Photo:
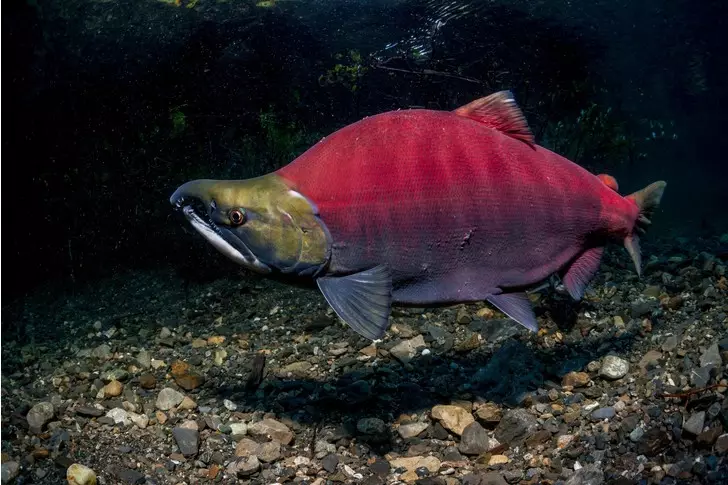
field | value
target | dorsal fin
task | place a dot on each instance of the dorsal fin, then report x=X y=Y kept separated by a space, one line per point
x=500 y=112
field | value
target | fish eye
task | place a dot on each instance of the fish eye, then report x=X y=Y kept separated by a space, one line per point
x=237 y=217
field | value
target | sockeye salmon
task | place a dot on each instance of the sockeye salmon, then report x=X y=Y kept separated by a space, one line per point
x=424 y=207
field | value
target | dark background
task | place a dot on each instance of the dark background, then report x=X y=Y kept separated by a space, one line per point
x=109 y=106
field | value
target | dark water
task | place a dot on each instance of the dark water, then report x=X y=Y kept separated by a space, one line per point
x=110 y=105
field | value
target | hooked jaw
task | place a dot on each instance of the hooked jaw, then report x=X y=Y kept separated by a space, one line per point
x=196 y=193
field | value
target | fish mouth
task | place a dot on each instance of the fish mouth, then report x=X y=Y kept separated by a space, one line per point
x=223 y=239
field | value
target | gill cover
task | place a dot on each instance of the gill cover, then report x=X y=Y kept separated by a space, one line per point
x=260 y=223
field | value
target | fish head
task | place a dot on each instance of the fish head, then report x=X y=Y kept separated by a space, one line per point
x=260 y=223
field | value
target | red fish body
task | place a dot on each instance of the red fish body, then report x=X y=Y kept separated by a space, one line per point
x=425 y=207
x=457 y=209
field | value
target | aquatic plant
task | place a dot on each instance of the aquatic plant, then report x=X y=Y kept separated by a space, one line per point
x=348 y=73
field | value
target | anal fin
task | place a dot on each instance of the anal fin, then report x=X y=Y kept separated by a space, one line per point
x=362 y=300
x=581 y=272
x=517 y=306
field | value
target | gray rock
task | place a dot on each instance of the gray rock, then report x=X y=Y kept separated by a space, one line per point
x=120 y=416
x=330 y=462
x=407 y=349
x=700 y=377
x=642 y=308
x=694 y=424
x=614 y=367
x=371 y=426
x=721 y=444
x=115 y=375
x=474 y=440
x=243 y=467
x=711 y=357
x=89 y=411
x=168 y=398
x=129 y=476
x=515 y=426
x=187 y=440
x=636 y=434
x=39 y=415
x=670 y=343
x=492 y=478
x=9 y=471
x=603 y=413
x=144 y=359
x=102 y=352
x=589 y=475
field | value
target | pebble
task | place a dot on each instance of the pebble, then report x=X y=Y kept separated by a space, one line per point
x=119 y=416
x=132 y=477
x=721 y=444
x=113 y=388
x=564 y=440
x=515 y=426
x=187 y=403
x=575 y=379
x=371 y=426
x=272 y=429
x=411 y=430
x=588 y=475
x=413 y=463
x=187 y=439
x=711 y=357
x=269 y=452
x=39 y=415
x=498 y=460
x=238 y=428
x=474 y=440
x=489 y=414
x=9 y=471
x=147 y=381
x=636 y=434
x=614 y=367
x=168 y=398
x=102 y=352
x=140 y=420
x=452 y=418
x=78 y=474
x=406 y=350
x=670 y=343
x=89 y=411
x=330 y=462
x=603 y=413
x=144 y=359
x=243 y=467
x=694 y=424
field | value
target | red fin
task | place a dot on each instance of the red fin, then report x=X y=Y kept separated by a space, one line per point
x=609 y=181
x=581 y=272
x=500 y=112
x=647 y=201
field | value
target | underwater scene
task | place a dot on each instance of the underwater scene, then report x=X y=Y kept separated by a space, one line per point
x=433 y=242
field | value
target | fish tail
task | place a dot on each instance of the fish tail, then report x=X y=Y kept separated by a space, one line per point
x=647 y=201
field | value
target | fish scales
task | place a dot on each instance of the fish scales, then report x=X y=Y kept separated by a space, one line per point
x=428 y=180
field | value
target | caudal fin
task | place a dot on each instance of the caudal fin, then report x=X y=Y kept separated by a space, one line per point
x=647 y=200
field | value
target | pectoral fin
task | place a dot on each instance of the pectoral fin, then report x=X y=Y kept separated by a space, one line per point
x=362 y=300
x=517 y=306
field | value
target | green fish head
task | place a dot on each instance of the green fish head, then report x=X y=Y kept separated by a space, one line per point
x=260 y=223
